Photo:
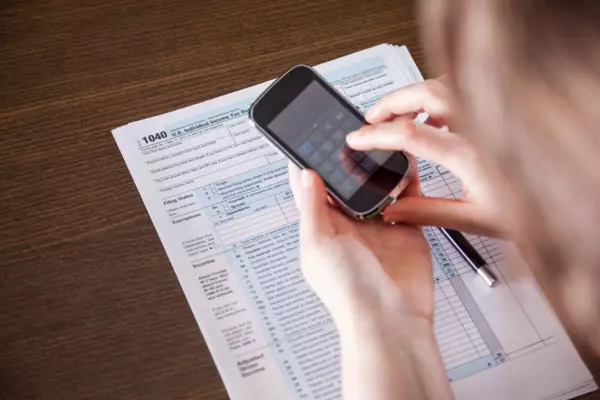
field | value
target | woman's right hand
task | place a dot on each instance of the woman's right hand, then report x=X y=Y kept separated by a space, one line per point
x=392 y=128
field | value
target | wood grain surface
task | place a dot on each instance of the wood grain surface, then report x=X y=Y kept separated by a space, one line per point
x=89 y=305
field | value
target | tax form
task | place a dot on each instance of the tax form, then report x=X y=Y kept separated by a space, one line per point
x=219 y=198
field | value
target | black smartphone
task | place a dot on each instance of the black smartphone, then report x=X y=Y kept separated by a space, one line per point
x=305 y=117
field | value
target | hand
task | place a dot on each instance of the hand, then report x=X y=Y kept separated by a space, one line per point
x=360 y=266
x=393 y=128
x=375 y=279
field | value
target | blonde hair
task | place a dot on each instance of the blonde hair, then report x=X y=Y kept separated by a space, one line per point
x=527 y=78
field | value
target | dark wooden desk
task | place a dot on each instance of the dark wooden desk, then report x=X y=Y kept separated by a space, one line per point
x=89 y=305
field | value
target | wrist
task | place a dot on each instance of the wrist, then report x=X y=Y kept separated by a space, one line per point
x=398 y=354
x=386 y=327
x=364 y=316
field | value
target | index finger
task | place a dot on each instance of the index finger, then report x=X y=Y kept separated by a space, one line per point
x=444 y=148
x=431 y=97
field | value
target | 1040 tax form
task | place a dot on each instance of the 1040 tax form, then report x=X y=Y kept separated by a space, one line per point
x=219 y=199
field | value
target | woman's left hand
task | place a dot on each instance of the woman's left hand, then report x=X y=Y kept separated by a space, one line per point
x=356 y=266
x=376 y=281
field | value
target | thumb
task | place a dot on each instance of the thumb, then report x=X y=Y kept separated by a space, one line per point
x=446 y=213
x=315 y=218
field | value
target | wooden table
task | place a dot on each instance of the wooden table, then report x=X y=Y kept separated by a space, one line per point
x=89 y=305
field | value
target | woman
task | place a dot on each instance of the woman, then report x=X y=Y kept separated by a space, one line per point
x=523 y=79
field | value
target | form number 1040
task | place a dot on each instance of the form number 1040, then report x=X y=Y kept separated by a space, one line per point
x=154 y=137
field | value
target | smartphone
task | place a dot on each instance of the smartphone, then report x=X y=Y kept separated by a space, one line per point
x=306 y=118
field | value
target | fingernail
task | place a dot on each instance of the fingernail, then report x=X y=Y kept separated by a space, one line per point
x=305 y=179
x=353 y=136
x=372 y=113
x=389 y=219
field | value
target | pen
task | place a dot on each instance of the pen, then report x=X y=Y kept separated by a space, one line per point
x=471 y=256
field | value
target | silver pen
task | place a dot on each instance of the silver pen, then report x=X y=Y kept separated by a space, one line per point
x=471 y=256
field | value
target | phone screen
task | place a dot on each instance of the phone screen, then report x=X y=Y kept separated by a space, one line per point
x=314 y=125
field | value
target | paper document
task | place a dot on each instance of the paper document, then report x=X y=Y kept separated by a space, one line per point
x=219 y=198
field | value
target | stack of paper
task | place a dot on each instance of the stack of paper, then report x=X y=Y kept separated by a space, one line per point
x=219 y=198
